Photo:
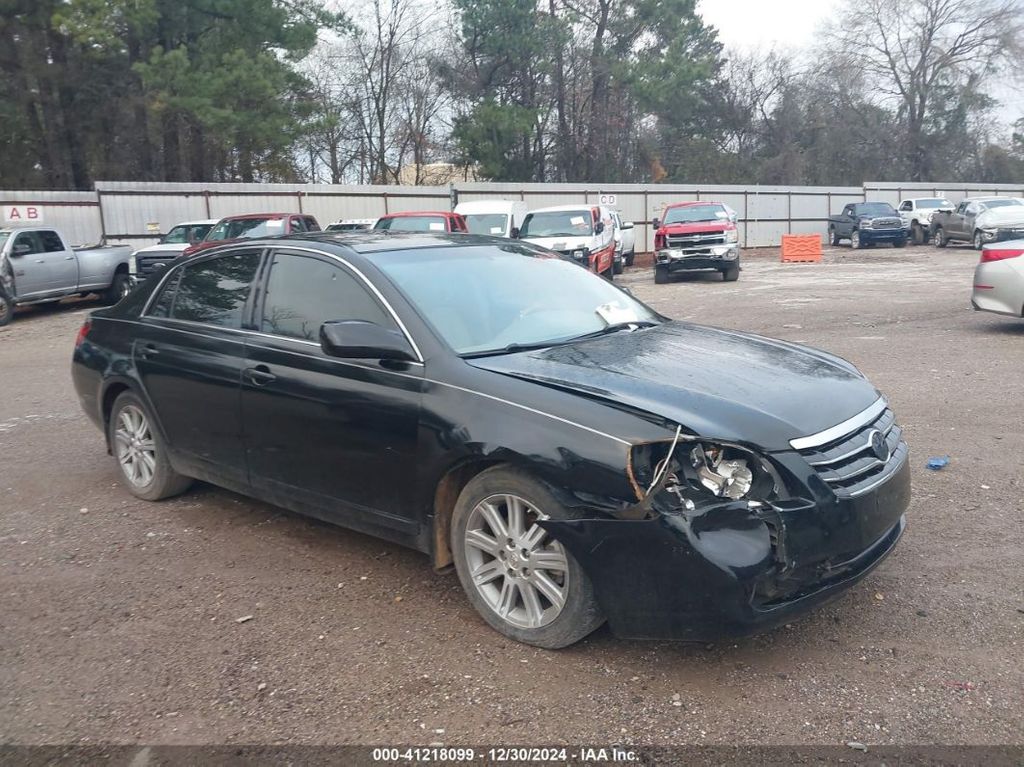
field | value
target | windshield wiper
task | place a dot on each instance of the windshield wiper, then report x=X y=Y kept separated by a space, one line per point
x=511 y=349
x=615 y=327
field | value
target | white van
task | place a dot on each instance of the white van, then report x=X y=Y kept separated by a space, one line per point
x=586 y=233
x=494 y=217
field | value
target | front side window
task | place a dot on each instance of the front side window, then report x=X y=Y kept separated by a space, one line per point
x=214 y=292
x=558 y=223
x=26 y=244
x=304 y=292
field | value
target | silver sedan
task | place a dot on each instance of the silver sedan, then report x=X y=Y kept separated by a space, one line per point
x=999 y=279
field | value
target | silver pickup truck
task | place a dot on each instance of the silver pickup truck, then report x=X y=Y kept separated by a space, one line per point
x=37 y=266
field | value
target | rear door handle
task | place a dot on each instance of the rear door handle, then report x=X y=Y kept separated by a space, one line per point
x=259 y=375
x=148 y=350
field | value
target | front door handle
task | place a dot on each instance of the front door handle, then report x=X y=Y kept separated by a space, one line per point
x=259 y=375
x=148 y=350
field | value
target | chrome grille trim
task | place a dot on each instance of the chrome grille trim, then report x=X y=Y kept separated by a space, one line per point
x=850 y=425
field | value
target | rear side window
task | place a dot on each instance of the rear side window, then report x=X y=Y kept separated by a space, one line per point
x=311 y=224
x=51 y=241
x=304 y=292
x=213 y=292
x=162 y=306
x=298 y=224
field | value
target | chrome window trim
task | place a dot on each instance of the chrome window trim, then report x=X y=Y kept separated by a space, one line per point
x=276 y=247
x=850 y=425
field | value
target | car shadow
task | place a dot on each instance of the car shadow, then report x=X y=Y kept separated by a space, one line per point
x=41 y=311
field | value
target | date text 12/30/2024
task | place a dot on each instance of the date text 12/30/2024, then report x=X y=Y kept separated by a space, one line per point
x=555 y=754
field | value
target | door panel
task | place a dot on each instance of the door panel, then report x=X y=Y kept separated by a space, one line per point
x=31 y=272
x=62 y=263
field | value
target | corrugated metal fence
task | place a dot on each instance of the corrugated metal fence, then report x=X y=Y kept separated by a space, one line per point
x=134 y=213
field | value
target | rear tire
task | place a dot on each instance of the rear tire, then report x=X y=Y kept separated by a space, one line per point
x=141 y=452
x=498 y=549
x=119 y=288
x=661 y=275
x=6 y=309
x=940 y=238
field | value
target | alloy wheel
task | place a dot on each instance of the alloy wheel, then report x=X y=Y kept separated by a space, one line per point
x=134 y=446
x=855 y=240
x=521 y=573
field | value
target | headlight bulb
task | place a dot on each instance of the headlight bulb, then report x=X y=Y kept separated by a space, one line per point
x=726 y=478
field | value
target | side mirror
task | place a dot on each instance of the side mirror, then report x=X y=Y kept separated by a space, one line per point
x=359 y=340
x=599 y=227
x=734 y=217
x=21 y=249
x=656 y=223
x=514 y=233
x=627 y=224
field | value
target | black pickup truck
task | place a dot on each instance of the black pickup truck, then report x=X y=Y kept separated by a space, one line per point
x=865 y=223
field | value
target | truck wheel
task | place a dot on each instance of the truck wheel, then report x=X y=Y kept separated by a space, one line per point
x=629 y=257
x=833 y=236
x=855 y=241
x=617 y=267
x=940 y=238
x=731 y=274
x=979 y=241
x=901 y=243
x=917 y=232
x=521 y=581
x=119 y=288
x=661 y=275
x=6 y=309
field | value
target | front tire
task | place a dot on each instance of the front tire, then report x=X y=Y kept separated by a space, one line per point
x=523 y=583
x=979 y=241
x=661 y=275
x=141 y=452
x=119 y=288
x=940 y=238
x=6 y=309
x=731 y=274
x=855 y=241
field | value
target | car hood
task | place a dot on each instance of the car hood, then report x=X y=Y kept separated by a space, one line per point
x=562 y=243
x=176 y=247
x=715 y=383
x=1010 y=215
x=697 y=227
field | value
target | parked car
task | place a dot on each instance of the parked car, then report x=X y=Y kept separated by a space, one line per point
x=37 y=266
x=145 y=261
x=351 y=225
x=625 y=242
x=916 y=215
x=584 y=233
x=867 y=223
x=500 y=218
x=252 y=225
x=979 y=220
x=695 y=237
x=576 y=455
x=999 y=279
x=422 y=221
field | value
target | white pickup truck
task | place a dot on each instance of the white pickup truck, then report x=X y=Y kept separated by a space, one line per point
x=38 y=266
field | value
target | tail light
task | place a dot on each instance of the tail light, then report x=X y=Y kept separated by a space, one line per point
x=659 y=241
x=1000 y=254
x=83 y=332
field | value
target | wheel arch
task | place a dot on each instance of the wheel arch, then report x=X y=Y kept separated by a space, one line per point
x=446 y=495
x=113 y=388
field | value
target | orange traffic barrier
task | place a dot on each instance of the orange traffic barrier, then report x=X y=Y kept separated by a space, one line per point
x=801 y=248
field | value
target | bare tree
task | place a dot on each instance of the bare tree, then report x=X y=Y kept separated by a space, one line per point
x=923 y=52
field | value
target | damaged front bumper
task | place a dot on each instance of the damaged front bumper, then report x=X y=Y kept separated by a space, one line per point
x=732 y=568
x=715 y=257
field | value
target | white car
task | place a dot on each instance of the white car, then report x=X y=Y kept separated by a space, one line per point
x=146 y=260
x=498 y=218
x=625 y=242
x=917 y=215
x=585 y=233
x=999 y=279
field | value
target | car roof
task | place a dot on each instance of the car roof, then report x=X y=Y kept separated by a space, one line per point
x=560 y=208
x=200 y=221
x=380 y=241
x=243 y=216
x=413 y=213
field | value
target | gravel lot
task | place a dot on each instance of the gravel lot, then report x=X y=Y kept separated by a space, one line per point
x=119 y=620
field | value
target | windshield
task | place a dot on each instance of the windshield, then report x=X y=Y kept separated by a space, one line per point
x=1003 y=203
x=186 y=233
x=693 y=213
x=485 y=298
x=413 y=224
x=557 y=223
x=936 y=203
x=246 y=227
x=486 y=223
x=876 y=209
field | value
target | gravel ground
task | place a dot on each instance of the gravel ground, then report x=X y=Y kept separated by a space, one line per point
x=119 y=620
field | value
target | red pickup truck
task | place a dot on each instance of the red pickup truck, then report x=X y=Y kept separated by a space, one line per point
x=694 y=237
x=235 y=228
x=422 y=221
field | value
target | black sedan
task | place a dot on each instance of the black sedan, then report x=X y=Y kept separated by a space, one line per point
x=577 y=456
